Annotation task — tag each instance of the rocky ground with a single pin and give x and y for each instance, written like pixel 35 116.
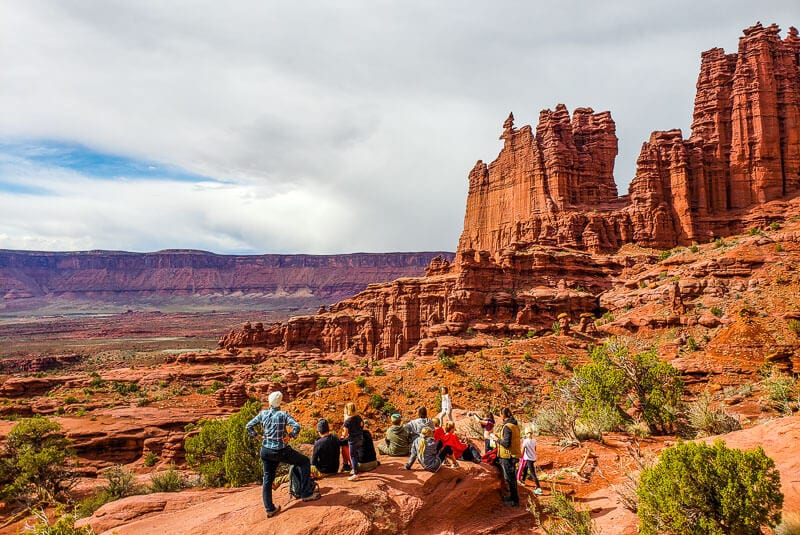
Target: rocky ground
pixel 724 313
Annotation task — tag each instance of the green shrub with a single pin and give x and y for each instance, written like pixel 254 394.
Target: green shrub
pixel 716 490
pixel 693 248
pixel 794 325
pixel 307 435
pixel 376 401
pixel 169 481
pixel 70 400
pixel 388 408
pixel 223 453
pixel 150 458
pixel 64 525
pixel 562 517
pixel 446 361
pixel 705 421
pixel 378 370
pixel 123 388
pixel 549 366
pixel 527 357
pixel 121 483
pixel 778 247
pixel 774 225
pixel 716 311
pixel 506 370
pixel 36 462
pixel 322 382
pixel 530 334
pixel 556 328
pixel 719 243
pixel 470 331
pixel 360 381
pixel 565 362
pixel 663 255
pixel 780 390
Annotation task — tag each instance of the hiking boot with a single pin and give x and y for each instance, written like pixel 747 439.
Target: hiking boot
pixel 353 477
pixel 274 512
pixel 537 491
pixel 315 496
pixel 345 468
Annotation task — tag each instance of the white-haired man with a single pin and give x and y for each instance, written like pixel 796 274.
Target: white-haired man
pixel 275 449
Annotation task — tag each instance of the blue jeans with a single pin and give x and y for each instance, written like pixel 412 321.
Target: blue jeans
pixel 270 459
pixel 354 447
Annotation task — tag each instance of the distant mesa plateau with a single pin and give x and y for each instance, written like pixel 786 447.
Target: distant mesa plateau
pixel 614 328
pixel 185 280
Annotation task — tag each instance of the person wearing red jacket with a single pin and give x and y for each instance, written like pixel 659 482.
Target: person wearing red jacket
pixel 451 439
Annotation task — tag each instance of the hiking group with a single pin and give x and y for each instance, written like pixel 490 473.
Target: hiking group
pixel 422 439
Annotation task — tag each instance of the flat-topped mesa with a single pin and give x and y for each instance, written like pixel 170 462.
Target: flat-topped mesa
pixel 568 164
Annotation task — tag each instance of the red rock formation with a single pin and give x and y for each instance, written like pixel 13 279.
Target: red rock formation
pixel 515 199
pixel 557 187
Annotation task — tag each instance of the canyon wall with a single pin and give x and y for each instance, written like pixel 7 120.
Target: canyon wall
pixel 166 275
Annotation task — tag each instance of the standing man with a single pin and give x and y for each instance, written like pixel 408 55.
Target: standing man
pixel 275 449
pixel 508 453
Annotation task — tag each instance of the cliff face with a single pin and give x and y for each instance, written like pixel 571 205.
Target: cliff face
pixel 557 187
pixel 166 274
pixel 540 218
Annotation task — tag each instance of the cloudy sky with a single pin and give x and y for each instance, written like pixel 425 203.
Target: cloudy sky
pixel 315 127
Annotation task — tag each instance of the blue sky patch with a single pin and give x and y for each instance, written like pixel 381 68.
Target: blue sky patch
pixel 90 163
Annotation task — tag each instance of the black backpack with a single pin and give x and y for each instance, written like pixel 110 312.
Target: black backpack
pixel 294 484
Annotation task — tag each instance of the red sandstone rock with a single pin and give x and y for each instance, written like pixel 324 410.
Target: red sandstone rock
pixel 557 187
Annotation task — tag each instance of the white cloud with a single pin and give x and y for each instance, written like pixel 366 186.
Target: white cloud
pixel 335 127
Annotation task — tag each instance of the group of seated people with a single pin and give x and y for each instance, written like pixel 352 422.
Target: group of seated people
pixel 438 444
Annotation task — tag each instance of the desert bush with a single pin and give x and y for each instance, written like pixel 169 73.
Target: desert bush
pixel 562 517
pixel 506 370
pixel 378 370
pixel 705 421
pixel 558 415
pixel 36 462
pixel 360 381
pixel 121 483
pixel 446 361
pixel 307 435
pixel 64 525
pixel 169 481
pixel 716 311
pixel 700 489
pixel 322 382
pixel 223 453
pixel 556 328
pixel 150 458
pixel 693 248
pixel 780 389
pixel 376 401
pixel 794 325
pixel 655 386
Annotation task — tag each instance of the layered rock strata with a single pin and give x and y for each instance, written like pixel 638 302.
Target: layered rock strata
pixel 540 217
pixel 556 187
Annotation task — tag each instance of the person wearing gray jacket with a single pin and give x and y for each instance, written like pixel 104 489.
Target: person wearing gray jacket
pixel 430 454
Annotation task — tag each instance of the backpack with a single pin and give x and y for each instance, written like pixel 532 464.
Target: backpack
pixel 294 484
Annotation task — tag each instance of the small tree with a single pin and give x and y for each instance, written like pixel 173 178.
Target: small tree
pixel 710 490
pixel 37 462
pixel 223 453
